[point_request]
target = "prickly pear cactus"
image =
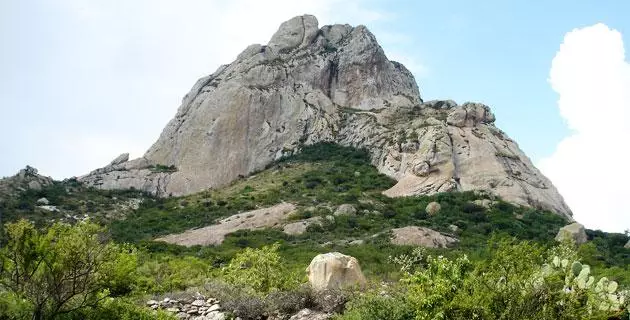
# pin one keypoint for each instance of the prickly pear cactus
(603, 294)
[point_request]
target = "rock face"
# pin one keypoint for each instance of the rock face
(334, 271)
(335, 84)
(574, 231)
(420, 236)
(26, 179)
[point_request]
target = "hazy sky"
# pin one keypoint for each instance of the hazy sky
(82, 81)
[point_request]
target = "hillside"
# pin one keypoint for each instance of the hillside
(317, 182)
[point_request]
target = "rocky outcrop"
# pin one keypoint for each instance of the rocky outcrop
(26, 179)
(215, 234)
(334, 271)
(574, 232)
(335, 84)
(421, 236)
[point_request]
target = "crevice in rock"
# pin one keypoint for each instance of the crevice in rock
(455, 162)
(333, 74)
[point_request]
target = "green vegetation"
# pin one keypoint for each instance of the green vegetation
(502, 268)
(162, 168)
(520, 280)
(62, 270)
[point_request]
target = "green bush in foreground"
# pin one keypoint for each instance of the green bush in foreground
(261, 269)
(62, 270)
(515, 282)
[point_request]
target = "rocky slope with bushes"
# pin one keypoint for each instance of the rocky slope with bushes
(257, 271)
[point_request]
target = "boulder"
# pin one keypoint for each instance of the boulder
(433, 208)
(574, 232)
(300, 227)
(345, 210)
(421, 236)
(627, 246)
(43, 201)
(334, 271)
(120, 159)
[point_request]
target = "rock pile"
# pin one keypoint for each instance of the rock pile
(198, 308)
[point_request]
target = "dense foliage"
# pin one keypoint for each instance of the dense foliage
(518, 281)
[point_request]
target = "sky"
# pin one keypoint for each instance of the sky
(82, 81)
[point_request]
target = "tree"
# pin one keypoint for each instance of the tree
(63, 269)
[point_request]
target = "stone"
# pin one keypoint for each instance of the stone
(181, 315)
(299, 31)
(627, 246)
(152, 302)
(49, 208)
(574, 232)
(453, 228)
(421, 236)
(308, 314)
(334, 271)
(433, 208)
(357, 242)
(298, 90)
(299, 227)
(484, 203)
(215, 315)
(214, 307)
(34, 185)
(198, 303)
(43, 201)
(345, 210)
(120, 159)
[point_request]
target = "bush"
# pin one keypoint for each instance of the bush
(374, 306)
(513, 283)
(121, 309)
(261, 269)
(289, 302)
(60, 271)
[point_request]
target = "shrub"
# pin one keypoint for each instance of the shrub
(122, 309)
(60, 271)
(374, 306)
(261, 269)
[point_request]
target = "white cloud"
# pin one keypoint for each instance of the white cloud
(109, 74)
(590, 167)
